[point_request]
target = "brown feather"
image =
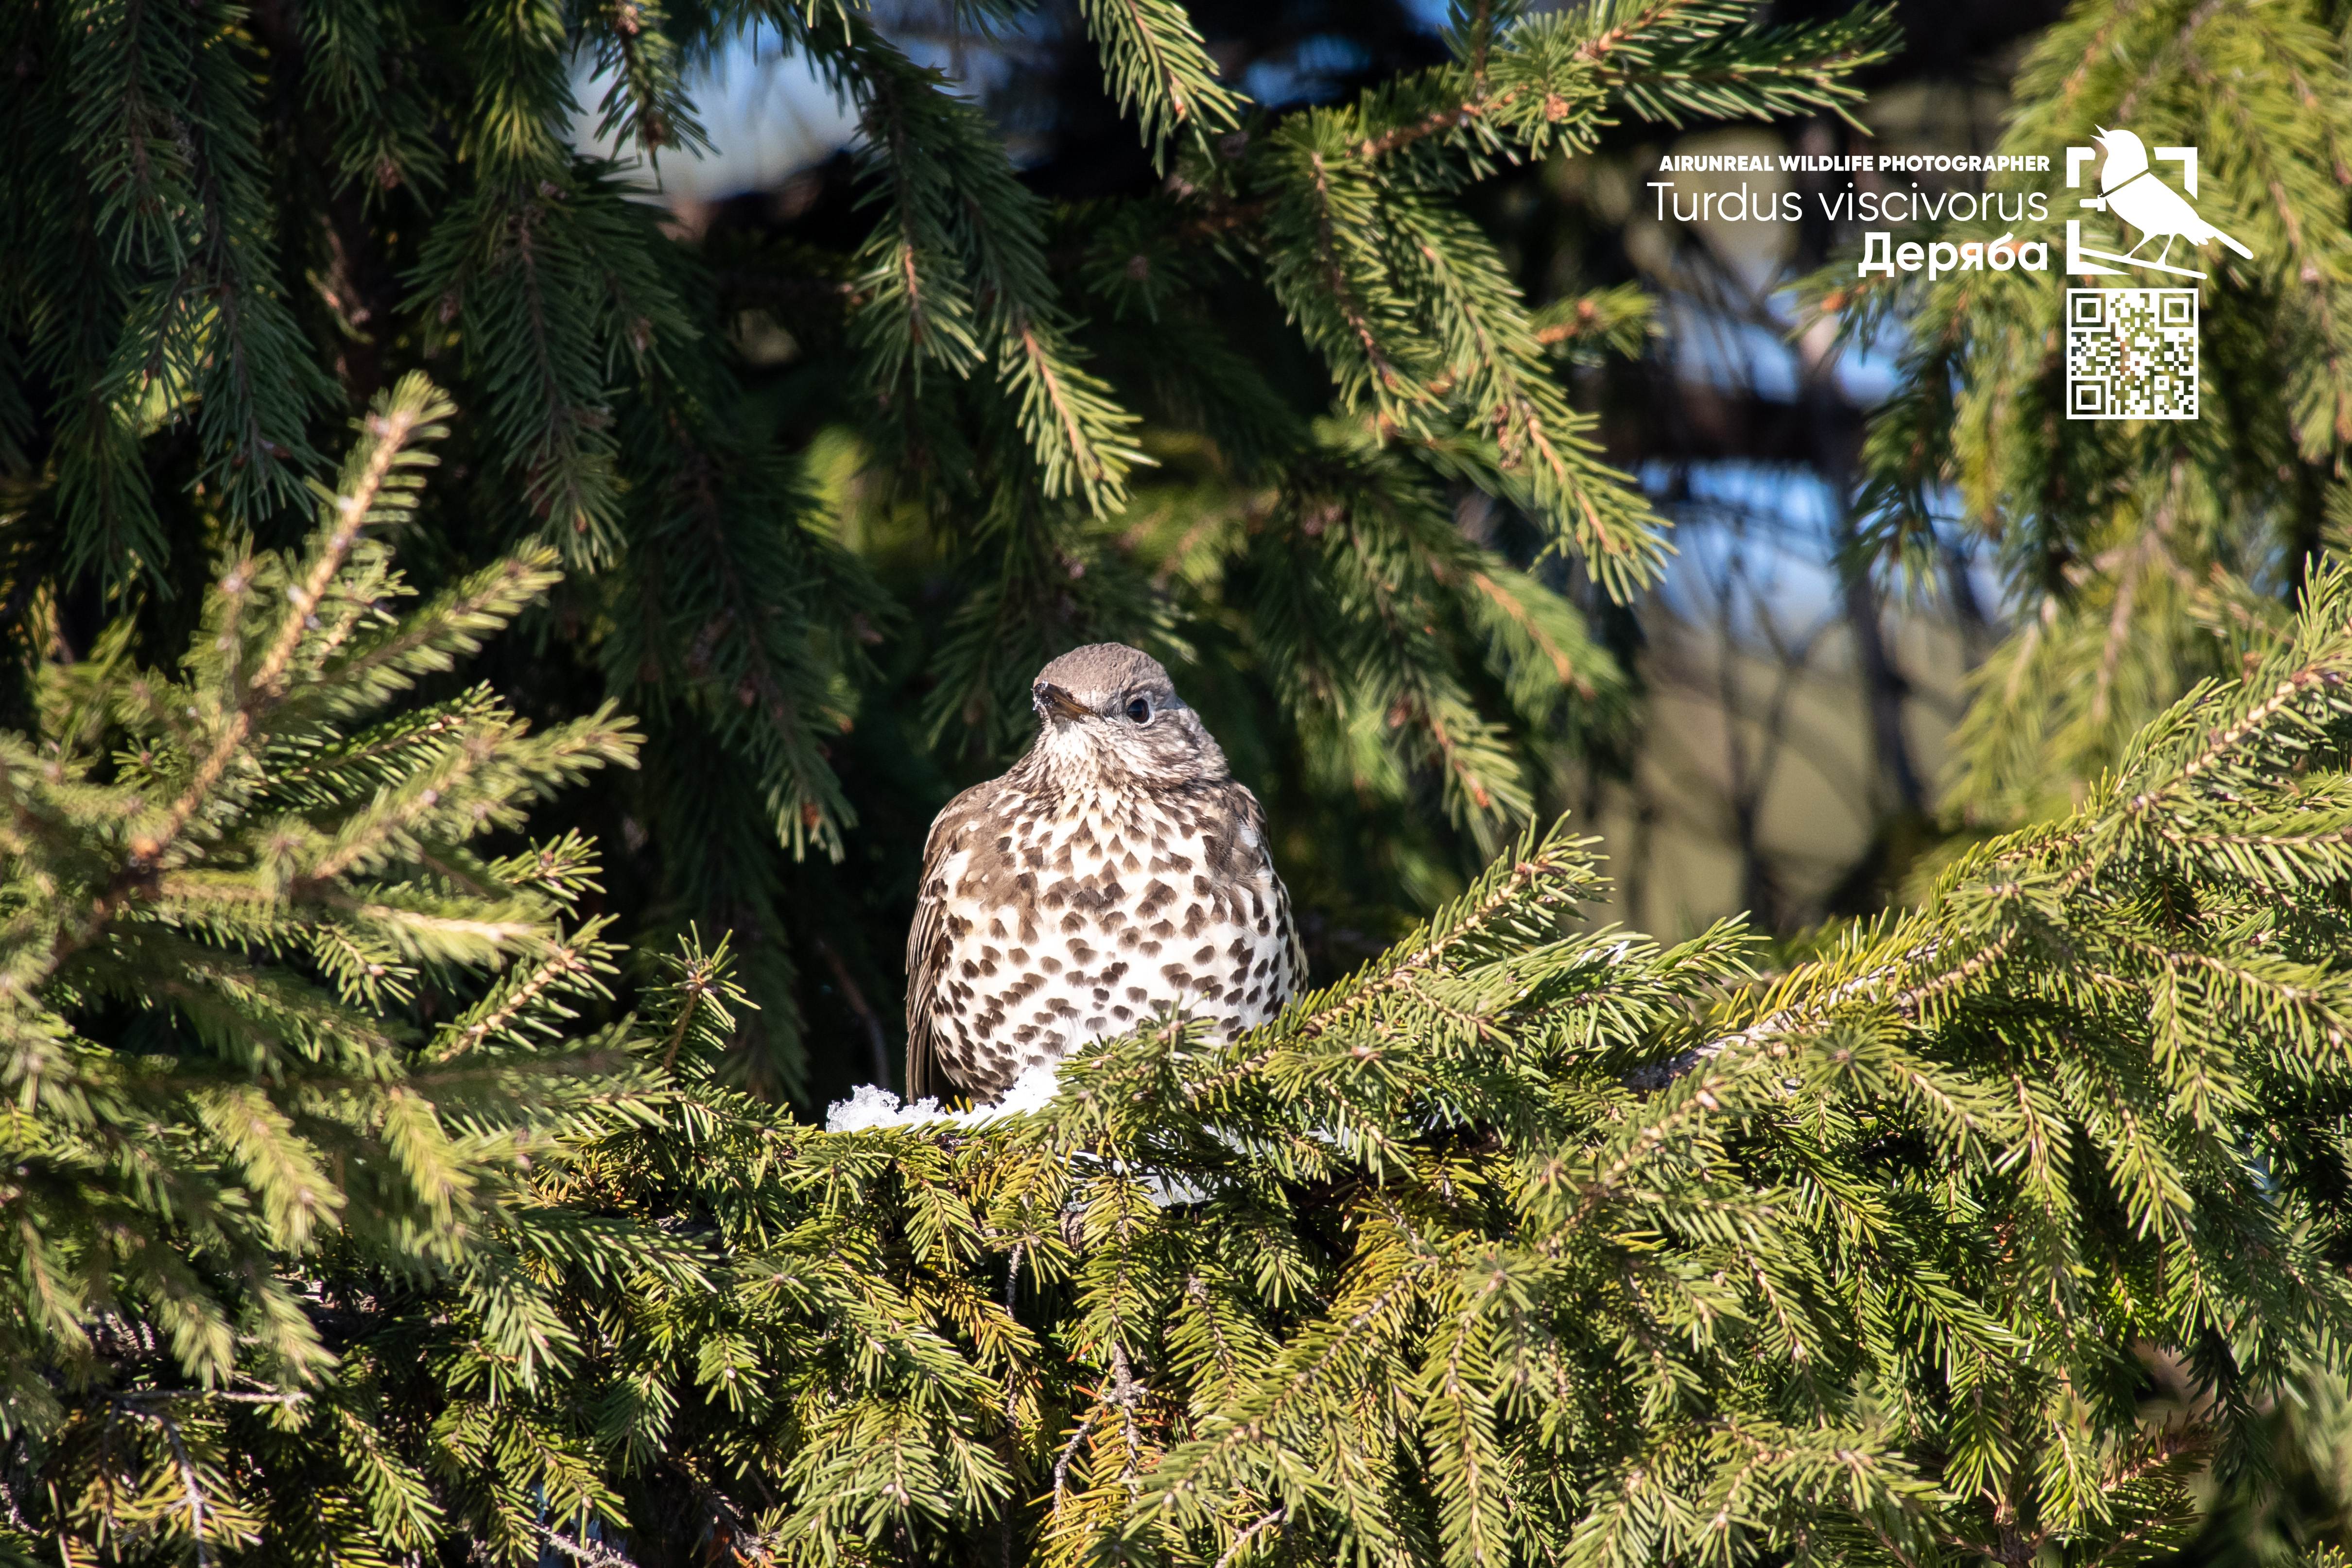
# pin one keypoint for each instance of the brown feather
(927, 939)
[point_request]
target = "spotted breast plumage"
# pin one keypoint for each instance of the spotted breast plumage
(1115, 874)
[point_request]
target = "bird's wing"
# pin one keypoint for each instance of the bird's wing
(1249, 851)
(2172, 213)
(927, 939)
(2172, 208)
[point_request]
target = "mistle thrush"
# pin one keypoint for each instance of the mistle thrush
(1115, 874)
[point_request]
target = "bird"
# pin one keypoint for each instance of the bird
(1116, 873)
(2134, 193)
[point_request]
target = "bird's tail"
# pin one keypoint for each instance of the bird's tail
(2233, 245)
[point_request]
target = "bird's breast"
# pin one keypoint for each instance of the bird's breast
(1093, 916)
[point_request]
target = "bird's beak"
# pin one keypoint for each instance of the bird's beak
(1051, 701)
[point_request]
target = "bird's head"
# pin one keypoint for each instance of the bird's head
(2126, 153)
(1110, 711)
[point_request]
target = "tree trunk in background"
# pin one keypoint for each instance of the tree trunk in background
(1835, 436)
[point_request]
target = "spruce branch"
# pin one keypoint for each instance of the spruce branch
(1156, 70)
(285, 1125)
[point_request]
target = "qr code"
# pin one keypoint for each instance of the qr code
(2131, 353)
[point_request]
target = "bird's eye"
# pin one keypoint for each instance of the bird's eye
(1138, 710)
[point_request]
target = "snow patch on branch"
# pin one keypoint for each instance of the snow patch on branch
(870, 1106)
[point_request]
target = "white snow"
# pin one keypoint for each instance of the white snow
(870, 1106)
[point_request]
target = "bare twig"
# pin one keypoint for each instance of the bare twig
(1271, 1517)
(1127, 1394)
(594, 1553)
(188, 1482)
(876, 1039)
(1069, 1451)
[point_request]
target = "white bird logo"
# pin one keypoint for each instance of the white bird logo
(2133, 192)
